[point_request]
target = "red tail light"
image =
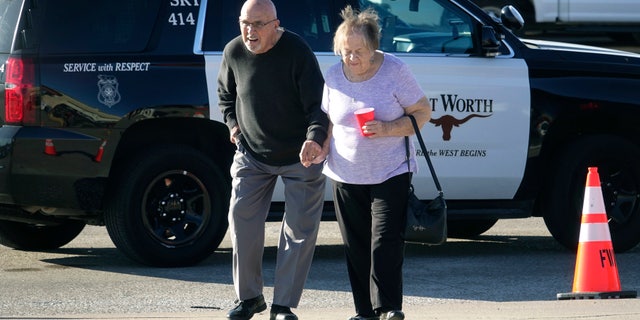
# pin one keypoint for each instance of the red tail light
(19, 91)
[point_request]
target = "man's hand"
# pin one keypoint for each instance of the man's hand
(234, 134)
(311, 153)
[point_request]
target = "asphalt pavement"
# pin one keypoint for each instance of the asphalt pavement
(512, 273)
(36, 285)
(598, 309)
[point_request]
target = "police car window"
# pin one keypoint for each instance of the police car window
(422, 26)
(9, 12)
(221, 24)
(98, 26)
(313, 20)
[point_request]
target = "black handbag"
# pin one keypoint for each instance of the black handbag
(426, 222)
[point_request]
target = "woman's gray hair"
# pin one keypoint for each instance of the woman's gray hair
(364, 23)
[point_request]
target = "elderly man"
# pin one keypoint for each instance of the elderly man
(270, 91)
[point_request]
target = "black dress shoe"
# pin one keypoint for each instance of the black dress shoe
(359, 317)
(247, 308)
(282, 313)
(392, 315)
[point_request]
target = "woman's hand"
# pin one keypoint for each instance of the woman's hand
(375, 128)
(402, 126)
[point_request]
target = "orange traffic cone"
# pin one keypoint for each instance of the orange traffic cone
(596, 272)
(49, 148)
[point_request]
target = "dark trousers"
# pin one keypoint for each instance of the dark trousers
(371, 220)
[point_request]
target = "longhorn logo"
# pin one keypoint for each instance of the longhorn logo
(447, 122)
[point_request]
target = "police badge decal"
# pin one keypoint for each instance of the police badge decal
(108, 90)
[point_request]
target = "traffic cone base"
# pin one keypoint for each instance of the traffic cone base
(597, 295)
(596, 272)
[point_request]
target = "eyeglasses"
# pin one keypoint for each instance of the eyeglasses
(352, 54)
(255, 25)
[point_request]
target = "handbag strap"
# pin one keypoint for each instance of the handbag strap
(425, 152)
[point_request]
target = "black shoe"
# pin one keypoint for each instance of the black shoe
(282, 313)
(359, 317)
(392, 315)
(247, 308)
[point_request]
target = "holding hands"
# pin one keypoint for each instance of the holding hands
(312, 153)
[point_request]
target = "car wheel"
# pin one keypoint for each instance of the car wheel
(618, 164)
(169, 207)
(34, 237)
(469, 228)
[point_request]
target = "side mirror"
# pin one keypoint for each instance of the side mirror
(511, 18)
(490, 43)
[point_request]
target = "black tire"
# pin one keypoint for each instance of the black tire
(618, 163)
(468, 228)
(169, 207)
(33, 237)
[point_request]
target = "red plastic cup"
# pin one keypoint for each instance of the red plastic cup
(363, 115)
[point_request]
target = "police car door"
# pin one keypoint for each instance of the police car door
(478, 134)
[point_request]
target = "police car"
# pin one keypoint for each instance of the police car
(111, 118)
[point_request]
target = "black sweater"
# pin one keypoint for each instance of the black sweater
(274, 97)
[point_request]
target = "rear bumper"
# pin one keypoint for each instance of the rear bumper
(7, 134)
(50, 168)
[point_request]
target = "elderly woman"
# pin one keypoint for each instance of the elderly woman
(368, 164)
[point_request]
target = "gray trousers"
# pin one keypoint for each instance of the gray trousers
(253, 185)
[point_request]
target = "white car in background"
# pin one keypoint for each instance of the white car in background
(620, 19)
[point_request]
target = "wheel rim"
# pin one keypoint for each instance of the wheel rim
(176, 208)
(620, 193)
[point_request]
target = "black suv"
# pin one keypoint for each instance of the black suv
(106, 121)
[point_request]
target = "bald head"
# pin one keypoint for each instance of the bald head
(259, 25)
(261, 6)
